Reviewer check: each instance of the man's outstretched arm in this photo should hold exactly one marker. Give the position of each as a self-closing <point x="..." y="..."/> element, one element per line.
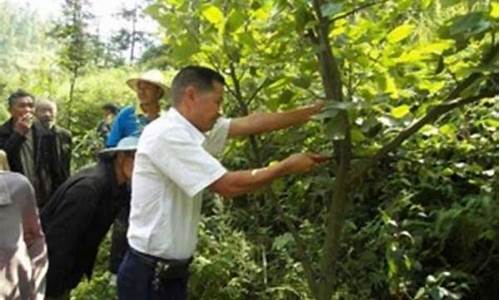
<point x="236" y="183"/>
<point x="266" y="122"/>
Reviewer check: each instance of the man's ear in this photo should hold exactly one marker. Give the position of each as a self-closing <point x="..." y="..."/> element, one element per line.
<point x="190" y="96"/>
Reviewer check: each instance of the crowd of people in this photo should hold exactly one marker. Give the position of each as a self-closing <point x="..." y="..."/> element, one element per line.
<point x="146" y="184"/>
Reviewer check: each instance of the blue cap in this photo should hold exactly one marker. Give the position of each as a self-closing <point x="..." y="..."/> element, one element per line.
<point x="126" y="144"/>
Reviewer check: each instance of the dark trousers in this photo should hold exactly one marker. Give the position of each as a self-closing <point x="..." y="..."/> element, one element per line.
<point x="135" y="281"/>
<point x="119" y="244"/>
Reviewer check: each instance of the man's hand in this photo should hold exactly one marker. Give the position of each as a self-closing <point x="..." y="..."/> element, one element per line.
<point x="23" y="124"/>
<point x="303" y="162"/>
<point x="316" y="108"/>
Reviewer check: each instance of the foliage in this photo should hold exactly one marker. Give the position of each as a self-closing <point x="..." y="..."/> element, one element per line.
<point x="422" y="220"/>
<point x="396" y="62"/>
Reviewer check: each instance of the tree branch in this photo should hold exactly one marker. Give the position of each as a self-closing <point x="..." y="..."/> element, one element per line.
<point x="430" y="117"/>
<point x="306" y="264"/>
<point x="256" y="91"/>
<point x="357" y="9"/>
<point x="451" y="102"/>
<point x="258" y="160"/>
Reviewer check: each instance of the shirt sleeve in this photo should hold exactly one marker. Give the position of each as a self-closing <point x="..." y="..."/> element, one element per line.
<point x="217" y="137"/>
<point x="35" y="242"/>
<point x="186" y="163"/>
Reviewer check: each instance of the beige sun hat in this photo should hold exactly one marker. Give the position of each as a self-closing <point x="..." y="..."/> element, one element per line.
<point x="152" y="76"/>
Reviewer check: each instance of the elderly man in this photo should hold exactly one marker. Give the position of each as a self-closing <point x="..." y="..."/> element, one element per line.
<point x="80" y="213"/>
<point x="30" y="147"/>
<point x="130" y="121"/>
<point x="59" y="138"/>
<point x="175" y="162"/>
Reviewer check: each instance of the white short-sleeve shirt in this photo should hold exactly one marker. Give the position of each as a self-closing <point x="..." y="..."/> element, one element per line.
<point x="174" y="162"/>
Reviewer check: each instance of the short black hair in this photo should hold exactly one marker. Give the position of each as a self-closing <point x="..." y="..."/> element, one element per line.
<point x="20" y="93"/>
<point x="201" y="77"/>
<point x="111" y="107"/>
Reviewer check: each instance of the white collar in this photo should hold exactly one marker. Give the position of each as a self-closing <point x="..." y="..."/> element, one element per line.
<point x="178" y="117"/>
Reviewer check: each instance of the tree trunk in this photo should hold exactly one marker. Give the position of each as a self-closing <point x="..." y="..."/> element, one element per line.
<point x="72" y="86"/>
<point x="332" y="82"/>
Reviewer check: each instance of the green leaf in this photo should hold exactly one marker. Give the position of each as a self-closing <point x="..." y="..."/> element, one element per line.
<point x="185" y="49"/>
<point x="462" y="28"/>
<point x="400" y="33"/>
<point x="335" y="128"/>
<point x="213" y="14"/>
<point x="448" y="129"/>
<point x="357" y="135"/>
<point x="235" y="20"/>
<point x="331" y="9"/>
<point x="420" y="293"/>
<point x="246" y="38"/>
<point x="302" y="82"/>
<point x="282" y="241"/>
<point x="177" y="3"/>
<point x="494" y="9"/>
<point x="425" y="51"/>
<point x="263" y="13"/>
<point x="400" y="111"/>
<point x="425" y="3"/>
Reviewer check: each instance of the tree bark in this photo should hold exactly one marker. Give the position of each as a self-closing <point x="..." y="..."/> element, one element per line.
<point x="332" y="83"/>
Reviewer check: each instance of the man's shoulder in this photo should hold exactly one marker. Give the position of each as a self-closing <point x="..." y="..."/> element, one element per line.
<point x="127" y="110"/>
<point x="90" y="180"/>
<point x="62" y="131"/>
<point x="6" y="127"/>
<point x="166" y="129"/>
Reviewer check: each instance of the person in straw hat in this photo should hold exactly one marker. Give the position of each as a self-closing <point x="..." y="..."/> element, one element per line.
<point x="80" y="213"/>
<point x="130" y="121"/>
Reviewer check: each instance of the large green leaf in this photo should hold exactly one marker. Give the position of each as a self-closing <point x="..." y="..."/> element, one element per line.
<point x="213" y="14"/>
<point x="400" y="33"/>
<point x="329" y="10"/>
<point x="400" y="111"/>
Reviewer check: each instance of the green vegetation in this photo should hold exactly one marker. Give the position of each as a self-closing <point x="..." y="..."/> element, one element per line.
<point x="409" y="207"/>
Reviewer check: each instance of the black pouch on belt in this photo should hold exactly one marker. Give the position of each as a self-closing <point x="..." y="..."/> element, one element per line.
<point x="172" y="269"/>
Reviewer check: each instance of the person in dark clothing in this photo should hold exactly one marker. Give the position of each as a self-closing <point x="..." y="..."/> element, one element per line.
<point x="60" y="140"/>
<point x="110" y="111"/>
<point x="31" y="149"/>
<point x="79" y="214"/>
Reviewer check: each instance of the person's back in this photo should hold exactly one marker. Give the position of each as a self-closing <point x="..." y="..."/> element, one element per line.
<point x="79" y="214"/>
<point x="75" y="221"/>
<point x="23" y="255"/>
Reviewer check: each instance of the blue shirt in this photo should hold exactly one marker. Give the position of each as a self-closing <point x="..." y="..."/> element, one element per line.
<point x="127" y="123"/>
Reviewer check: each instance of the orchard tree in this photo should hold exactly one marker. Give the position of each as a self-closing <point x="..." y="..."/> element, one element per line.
<point x="389" y="70"/>
<point x="75" y="53"/>
<point x="129" y="38"/>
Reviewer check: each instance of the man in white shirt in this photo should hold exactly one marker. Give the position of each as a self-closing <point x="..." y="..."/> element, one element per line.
<point x="174" y="163"/>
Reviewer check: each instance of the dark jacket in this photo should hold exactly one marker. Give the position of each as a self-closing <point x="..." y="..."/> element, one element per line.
<point x="76" y="220"/>
<point x="46" y="155"/>
<point x="64" y="147"/>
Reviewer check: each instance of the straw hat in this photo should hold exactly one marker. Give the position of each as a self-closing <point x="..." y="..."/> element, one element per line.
<point x="152" y="76"/>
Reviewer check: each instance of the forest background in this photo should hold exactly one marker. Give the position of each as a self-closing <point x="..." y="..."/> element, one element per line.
<point x="408" y="209"/>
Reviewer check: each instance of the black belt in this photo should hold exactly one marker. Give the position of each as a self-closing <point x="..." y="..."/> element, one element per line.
<point x="151" y="260"/>
<point x="164" y="269"/>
